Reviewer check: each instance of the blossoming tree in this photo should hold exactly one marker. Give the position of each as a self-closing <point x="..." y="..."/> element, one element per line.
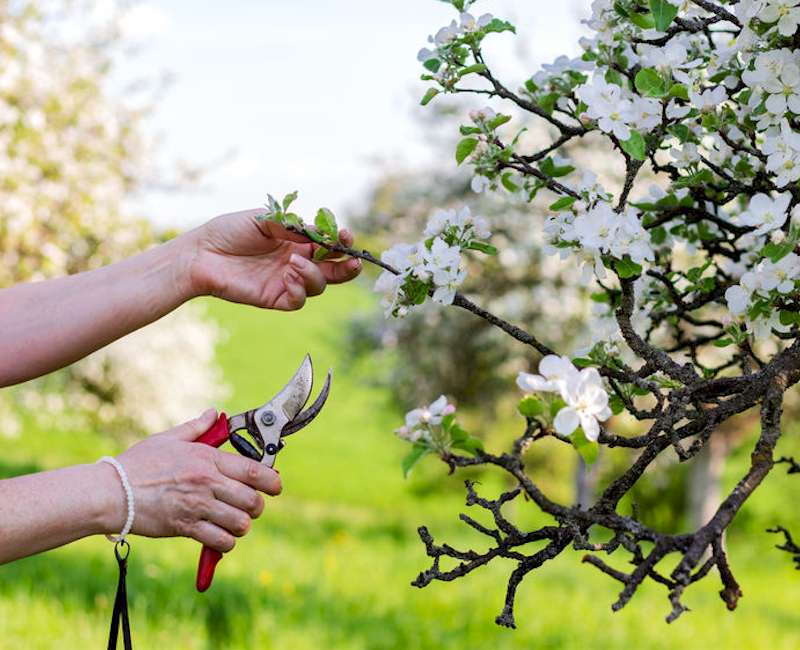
<point x="71" y="152"/>
<point x="696" y="276"/>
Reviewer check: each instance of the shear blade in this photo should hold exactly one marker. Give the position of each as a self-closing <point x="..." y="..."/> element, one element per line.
<point x="293" y="397"/>
<point x="304" y="419"/>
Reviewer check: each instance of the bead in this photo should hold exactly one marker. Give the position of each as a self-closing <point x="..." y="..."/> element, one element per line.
<point x="126" y="485"/>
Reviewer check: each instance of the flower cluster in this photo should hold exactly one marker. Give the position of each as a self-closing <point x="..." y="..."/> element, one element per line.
<point x="434" y="429"/>
<point x="420" y="422"/>
<point x="597" y="231"/>
<point x="434" y="265"/>
<point x="585" y="401"/>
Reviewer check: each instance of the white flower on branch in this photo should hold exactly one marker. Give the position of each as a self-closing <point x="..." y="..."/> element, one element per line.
<point x="786" y="13"/>
<point x="585" y="397"/>
<point x="609" y="105"/>
<point x="765" y="213"/>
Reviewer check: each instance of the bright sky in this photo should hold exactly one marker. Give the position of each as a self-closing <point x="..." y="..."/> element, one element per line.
<point x="309" y="94"/>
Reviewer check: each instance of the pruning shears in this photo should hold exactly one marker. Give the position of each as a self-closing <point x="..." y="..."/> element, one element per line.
<point x="266" y="427"/>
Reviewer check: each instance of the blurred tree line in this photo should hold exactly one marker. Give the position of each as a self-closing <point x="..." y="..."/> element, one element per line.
<point x="72" y="153"/>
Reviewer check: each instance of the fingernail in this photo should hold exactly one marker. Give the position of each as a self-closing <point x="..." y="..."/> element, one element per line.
<point x="297" y="261"/>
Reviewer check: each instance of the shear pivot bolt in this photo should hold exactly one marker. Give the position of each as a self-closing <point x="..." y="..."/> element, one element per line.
<point x="267" y="418"/>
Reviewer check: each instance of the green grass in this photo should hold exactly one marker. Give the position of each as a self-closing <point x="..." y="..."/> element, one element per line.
<point x="329" y="563"/>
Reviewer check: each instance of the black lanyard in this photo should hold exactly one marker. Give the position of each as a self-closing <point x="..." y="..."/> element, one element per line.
<point x="121" y="601"/>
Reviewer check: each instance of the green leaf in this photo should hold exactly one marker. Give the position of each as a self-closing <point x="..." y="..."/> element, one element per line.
<point x="417" y="453"/>
<point x="470" y="444"/>
<point x="663" y="14"/>
<point x="415" y="290"/>
<point x="498" y="121"/>
<point x="635" y="146"/>
<point x="588" y="450"/>
<point x="326" y="223"/>
<point x="510" y="185"/>
<point x="465" y="148"/>
<point x="483" y="247"/>
<point x="498" y="26"/>
<point x="471" y="69"/>
<point x="288" y="200"/>
<point x="679" y="91"/>
<point x="320" y="254"/>
<point x="313" y="235"/>
<point x="789" y="318"/>
<point x="723" y="343"/>
<point x="563" y="203"/>
<point x="680" y="131"/>
<point x="432" y="92"/>
<point x="650" y="83"/>
<point x="616" y="404"/>
<point x="627" y="268"/>
<point x="556" y="405"/>
<point x="433" y="65"/>
<point x="645" y="21"/>
<point x="549" y="168"/>
<point x="530" y="406"/>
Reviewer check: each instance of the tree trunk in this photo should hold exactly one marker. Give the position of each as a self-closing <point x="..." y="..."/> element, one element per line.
<point x="705" y="472"/>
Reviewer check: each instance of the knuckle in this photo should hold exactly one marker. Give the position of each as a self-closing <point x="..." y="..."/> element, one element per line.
<point x="256" y="505"/>
<point x="242" y="526"/>
<point x="225" y="543"/>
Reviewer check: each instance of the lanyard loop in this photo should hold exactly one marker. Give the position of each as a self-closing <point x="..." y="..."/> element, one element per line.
<point x="122" y="550"/>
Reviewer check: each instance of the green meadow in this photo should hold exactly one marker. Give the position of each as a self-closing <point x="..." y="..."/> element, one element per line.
<point x="329" y="564"/>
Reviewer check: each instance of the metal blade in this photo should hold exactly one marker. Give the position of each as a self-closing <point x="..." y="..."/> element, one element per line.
<point x="293" y="397"/>
<point x="305" y="418"/>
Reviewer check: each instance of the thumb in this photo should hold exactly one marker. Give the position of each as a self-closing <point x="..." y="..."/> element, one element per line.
<point x="193" y="429"/>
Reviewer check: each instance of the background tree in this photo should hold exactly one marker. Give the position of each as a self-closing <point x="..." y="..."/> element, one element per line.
<point x="72" y="152"/>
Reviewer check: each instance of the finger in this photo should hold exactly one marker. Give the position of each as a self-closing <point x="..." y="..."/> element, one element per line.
<point x="345" y="237"/>
<point x="235" y="521"/>
<point x="275" y="230"/>
<point x="313" y="278"/>
<point x="294" y="295"/>
<point x="193" y="429"/>
<point x="338" y="272"/>
<point x="213" y="536"/>
<point x="240" y="496"/>
<point x="249" y="472"/>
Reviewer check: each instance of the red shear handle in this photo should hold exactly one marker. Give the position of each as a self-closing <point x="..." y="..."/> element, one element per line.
<point x="215" y="436"/>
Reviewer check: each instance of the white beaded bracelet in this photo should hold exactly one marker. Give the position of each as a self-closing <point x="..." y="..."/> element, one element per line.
<point x="126" y="485"/>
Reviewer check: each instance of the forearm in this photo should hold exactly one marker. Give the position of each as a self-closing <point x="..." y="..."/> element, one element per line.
<point x="47" y="325"/>
<point x="42" y="511"/>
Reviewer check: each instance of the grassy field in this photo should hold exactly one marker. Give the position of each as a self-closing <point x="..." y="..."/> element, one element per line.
<point x="329" y="563"/>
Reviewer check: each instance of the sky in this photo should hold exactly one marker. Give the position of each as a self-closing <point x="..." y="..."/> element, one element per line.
<point x="319" y="96"/>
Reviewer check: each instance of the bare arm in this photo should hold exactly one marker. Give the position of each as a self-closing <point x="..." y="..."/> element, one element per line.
<point x="48" y="325"/>
<point x="180" y="489"/>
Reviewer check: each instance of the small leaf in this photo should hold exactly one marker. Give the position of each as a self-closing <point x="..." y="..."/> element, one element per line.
<point x="432" y="92"/>
<point x="587" y="449"/>
<point x="563" y="203"/>
<point x="320" y="254"/>
<point x="326" y="223"/>
<point x="627" y="268"/>
<point x="663" y="14"/>
<point x="417" y="453"/>
<point x="509" y="184"/>
<point x="650" y="83"/>
<point x="472" y="69"/>
<point x="498" y="121"/>
<point x="289" y="199"/>
<point x="635" y="146"/>
<point x="465" y="148"/>
<point x="470" y="444"/>
<point x="530" y="406"/>
<point x="616" y="404"/>
<point x="723" y="343"/>
<point x="433" y="65"/>
<point x="679" y="91"/>
<point x="483" y="247"/>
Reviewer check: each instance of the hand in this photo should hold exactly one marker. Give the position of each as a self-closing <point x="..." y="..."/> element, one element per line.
<point x="238" y="258"/>
<point x="186" y="489"/>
